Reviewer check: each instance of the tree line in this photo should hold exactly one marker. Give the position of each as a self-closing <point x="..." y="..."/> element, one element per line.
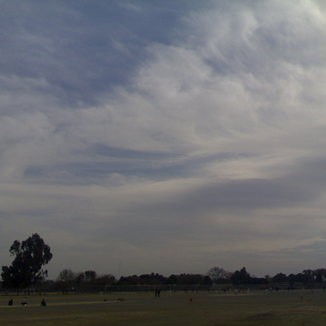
<point x="215" y="275"/>
<point x="30" y="256"/>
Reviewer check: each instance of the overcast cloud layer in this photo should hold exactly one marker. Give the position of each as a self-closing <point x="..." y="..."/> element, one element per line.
<point x="165" y="136"/>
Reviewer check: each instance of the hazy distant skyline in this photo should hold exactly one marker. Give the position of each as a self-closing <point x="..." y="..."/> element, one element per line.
<point x="165" y="136"/>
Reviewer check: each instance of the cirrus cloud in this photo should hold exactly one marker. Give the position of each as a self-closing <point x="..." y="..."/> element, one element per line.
<point x="205" y="138"/>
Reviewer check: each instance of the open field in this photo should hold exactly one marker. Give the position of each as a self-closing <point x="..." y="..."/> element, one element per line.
<point x="281" y="308"/>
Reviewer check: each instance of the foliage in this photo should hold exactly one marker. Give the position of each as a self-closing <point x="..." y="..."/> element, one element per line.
<point x="90" y="275"/>
<point x="241" y="277"/>
<point x="26" y="269"/>
<point x="68" y="280"/>
<point x="219" y="275"/>
<point x="66" y="275"/>
<point x="189" y="279"/>
<point x="279" y="278"/>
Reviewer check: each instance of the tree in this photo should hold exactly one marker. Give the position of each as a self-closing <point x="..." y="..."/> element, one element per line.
<point x="105" y="280"/>
<point x="66" y="275"/>
<point x="280" y="278"/>
<point x="241" y="277"/>
<point x="320" y="275"/>
<point x="26" y="269"/>
<point x="90" y="275"/>
<point x="218" y="274"/>
<point x="67" y="278"/>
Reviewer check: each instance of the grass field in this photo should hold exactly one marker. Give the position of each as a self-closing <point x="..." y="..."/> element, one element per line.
<point x="281" y="308"/>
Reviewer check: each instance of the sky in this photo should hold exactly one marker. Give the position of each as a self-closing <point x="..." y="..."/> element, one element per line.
<point x="164" y="136"/>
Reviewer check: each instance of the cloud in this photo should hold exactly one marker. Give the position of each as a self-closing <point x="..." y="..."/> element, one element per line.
<point x="195" y="138"/>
